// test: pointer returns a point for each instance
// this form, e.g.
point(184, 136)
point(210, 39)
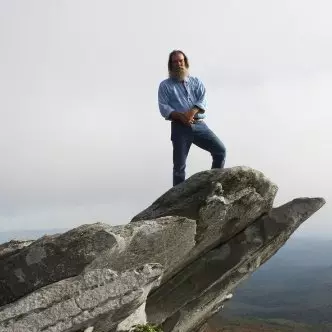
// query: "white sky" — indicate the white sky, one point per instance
point(81, 136)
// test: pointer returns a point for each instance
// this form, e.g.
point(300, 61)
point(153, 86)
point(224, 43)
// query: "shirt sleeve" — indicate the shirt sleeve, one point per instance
point(200, 92)
point(163, 100)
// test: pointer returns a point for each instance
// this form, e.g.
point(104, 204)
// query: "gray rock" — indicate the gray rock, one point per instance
point(53, 258)
point(167, 241)
point(12, 247)
point(137, 317)
point(89, 329)
point(50, 259)
point(199, 290)
point(222, 201)
point(197, 242)
point(80, 302)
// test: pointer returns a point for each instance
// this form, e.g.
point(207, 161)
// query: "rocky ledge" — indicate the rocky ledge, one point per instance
point(174, 264)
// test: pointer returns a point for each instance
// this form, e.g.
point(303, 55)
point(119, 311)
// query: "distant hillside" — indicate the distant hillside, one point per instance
point(219, 324)
point(295, 284)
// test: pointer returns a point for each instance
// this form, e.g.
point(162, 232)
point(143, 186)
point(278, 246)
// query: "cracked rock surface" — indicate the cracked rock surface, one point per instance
point(174, 264)
point(81, 301)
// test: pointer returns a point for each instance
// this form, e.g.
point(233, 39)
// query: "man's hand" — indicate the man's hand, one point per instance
point(187, 117)
point(190, 114)
point(180, 117)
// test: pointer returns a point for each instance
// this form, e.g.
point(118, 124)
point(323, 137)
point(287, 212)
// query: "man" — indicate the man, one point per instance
point(182, 100)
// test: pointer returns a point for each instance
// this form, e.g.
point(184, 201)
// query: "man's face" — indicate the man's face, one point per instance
point(179, 70)
point(178, 61)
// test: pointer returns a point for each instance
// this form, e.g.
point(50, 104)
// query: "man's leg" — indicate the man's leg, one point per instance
point(181, 140)
point(205, 138)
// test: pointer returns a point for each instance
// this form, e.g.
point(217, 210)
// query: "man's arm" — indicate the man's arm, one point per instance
point(165, 109)
point(200, 93)
point(200, 104)
point(163, 100)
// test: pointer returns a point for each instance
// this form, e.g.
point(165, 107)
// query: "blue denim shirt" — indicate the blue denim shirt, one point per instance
point(181, 96)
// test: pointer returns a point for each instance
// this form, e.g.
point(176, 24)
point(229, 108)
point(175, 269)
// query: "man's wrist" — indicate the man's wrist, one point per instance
point(195, 109)
point(174, 115)
point(201, 110)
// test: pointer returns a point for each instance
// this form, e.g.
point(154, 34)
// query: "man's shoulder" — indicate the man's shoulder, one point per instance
point(166, 81)
point(195, 79)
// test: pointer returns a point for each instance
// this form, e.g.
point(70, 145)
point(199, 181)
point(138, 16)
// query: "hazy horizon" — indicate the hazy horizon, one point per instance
point(82, 139)
point(34, 234)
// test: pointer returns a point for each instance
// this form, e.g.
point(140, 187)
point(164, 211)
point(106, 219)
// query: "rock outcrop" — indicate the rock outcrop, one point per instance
point(73, 303)
point(173, 265)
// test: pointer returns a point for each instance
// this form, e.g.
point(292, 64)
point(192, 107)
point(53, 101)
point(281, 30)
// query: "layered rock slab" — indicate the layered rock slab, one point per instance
point(167, 241)
point(51, 259)
point(209, 234)
point(31, 266)
point(12, 247)
point(222, 202)
point(198, 291)
point(76, 303)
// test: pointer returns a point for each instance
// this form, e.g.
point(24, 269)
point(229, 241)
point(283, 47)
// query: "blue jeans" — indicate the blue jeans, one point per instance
point(183, 136)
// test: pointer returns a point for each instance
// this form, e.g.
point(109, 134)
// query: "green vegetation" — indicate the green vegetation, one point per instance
point(146, 328)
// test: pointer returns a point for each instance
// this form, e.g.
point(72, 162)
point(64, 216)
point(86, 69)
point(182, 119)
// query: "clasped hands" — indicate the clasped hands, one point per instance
point(187, 118)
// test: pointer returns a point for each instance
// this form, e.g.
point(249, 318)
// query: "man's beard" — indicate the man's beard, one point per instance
point(179, 73)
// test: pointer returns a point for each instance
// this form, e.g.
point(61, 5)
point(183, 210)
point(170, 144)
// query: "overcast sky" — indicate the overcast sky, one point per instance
point(81, 136)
